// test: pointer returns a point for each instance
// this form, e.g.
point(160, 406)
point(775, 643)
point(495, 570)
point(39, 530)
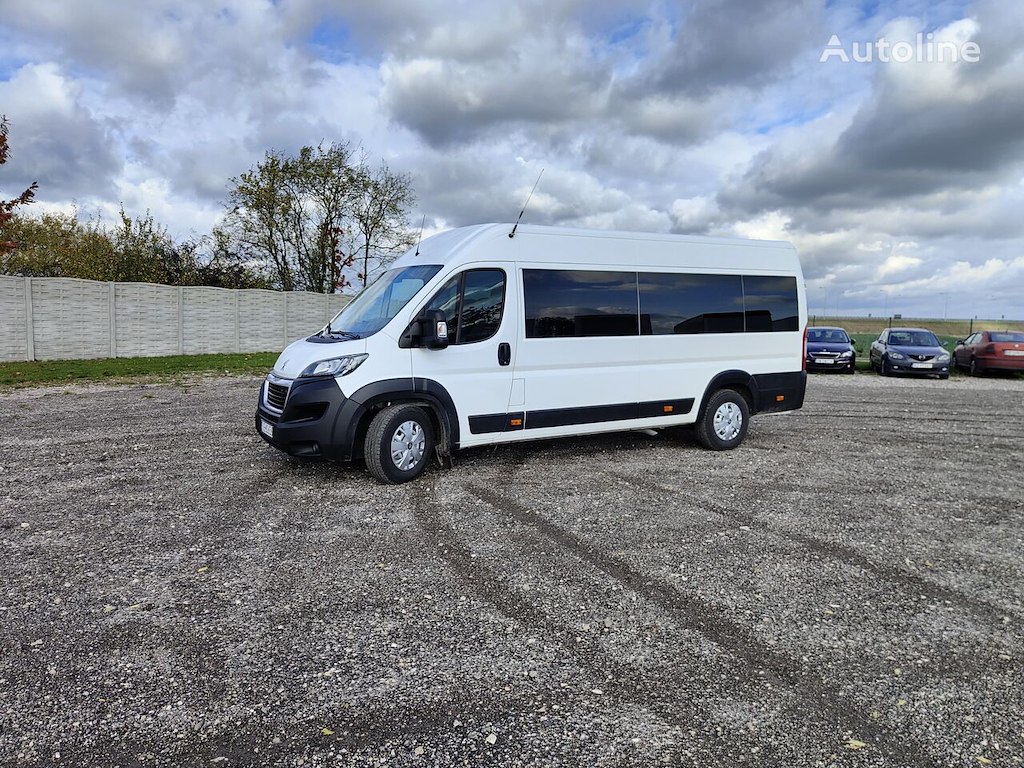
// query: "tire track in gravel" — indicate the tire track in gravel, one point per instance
point(908, 581)
point(816, 698)
point(619, 680)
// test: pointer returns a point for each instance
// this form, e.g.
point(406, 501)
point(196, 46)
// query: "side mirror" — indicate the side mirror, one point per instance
point(435, 329)
point(429, 329)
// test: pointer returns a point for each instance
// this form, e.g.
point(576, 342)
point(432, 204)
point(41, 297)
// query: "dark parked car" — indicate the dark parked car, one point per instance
point(990, 351)
point(909, 350)
point(830, 349)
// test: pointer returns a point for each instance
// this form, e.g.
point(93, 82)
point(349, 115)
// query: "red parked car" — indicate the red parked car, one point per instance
point(990, 351)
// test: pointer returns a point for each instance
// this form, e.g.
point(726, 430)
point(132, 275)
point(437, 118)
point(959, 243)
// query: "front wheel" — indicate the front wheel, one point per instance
point(853, 365)
point(723, 425)
point(399, 443)
point(883, 367)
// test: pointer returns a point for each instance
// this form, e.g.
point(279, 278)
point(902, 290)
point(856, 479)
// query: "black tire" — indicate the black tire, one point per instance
point(853, 366)
point(883, 368)
point(390, 428)
point(973, 368)
point(723, 425)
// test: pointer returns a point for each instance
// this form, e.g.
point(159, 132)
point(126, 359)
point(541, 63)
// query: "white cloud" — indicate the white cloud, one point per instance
point(897, 263)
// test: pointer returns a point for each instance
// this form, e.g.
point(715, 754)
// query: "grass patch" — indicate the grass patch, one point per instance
point(42, 372)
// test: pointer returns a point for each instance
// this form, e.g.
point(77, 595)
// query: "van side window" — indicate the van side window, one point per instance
point(472, 302)
point(588, 303)
point(561, 302)
point(690, 303)
point(770, 303)
point(483, 299)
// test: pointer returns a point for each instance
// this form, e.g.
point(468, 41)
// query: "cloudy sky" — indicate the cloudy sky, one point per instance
point(900, 179)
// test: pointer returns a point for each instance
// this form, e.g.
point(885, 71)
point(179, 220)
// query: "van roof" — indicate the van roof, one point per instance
point(486, 242)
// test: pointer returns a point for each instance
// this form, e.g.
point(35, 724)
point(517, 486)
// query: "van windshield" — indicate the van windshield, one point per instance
point(380, 301)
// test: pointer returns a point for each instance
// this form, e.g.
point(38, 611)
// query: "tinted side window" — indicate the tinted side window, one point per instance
point(472, 302)
point(579, 303)
point(770, 304)
point(690, 303)
point(483, 298)
point(447, 300)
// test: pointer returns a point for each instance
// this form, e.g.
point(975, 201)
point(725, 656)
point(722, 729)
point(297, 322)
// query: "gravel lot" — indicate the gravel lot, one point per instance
point(846, 589)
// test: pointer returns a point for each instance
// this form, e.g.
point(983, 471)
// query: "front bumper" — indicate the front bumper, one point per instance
point(830, 364)
point(914, 367)
point(313, 421)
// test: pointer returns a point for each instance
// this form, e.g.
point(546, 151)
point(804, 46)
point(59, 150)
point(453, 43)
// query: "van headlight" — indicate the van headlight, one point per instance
point(335, 366)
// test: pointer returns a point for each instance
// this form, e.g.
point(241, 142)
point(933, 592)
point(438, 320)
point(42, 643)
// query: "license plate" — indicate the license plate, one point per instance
point(920, 365)
point(1014, 352)
point(266, 428)
point(824, 361)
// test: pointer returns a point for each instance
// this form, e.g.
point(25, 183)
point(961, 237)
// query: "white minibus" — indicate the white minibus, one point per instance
point(497, 334)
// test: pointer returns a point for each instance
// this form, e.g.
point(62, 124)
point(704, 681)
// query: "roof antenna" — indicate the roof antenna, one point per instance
point(514, 226)
point(419, 239)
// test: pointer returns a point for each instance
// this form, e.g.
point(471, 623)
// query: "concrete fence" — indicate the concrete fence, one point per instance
point(50, 318)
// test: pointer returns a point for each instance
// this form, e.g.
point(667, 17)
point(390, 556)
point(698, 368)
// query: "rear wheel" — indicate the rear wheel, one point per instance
point(723, 425)
point(399, 443)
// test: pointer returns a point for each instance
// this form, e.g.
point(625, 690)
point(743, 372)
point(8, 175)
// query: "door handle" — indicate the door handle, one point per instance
point(504, 353)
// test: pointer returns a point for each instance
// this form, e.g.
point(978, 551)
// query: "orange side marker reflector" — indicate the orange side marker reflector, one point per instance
point(516, 422)
point(667, 409)
point(779, 398)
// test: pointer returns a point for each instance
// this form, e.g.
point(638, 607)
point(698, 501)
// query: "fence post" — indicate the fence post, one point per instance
point(181, 320)
point(112, 316)
point(30, 332)
point(286, 336)
point(238, 332)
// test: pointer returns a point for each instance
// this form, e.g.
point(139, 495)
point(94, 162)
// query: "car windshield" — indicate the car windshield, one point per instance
point(827, 335)
point(1007, 337)
point(380, 301)
point(913, 339)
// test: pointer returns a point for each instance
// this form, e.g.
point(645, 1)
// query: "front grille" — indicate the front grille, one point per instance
point(921, 358)
point(276, 395)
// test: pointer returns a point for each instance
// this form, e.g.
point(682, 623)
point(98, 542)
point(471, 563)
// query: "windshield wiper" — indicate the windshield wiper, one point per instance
point(344, 334)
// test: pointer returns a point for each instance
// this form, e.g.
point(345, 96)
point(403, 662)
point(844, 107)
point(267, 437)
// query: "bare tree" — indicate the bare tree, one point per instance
point(260, 210)
point(308, 217)
point(323, 184)
point(380, 226)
